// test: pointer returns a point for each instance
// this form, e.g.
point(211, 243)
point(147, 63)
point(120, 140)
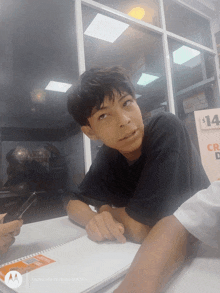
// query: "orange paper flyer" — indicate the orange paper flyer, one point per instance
point(26, 265)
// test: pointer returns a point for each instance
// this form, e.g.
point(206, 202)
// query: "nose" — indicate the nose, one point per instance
point(123, 119)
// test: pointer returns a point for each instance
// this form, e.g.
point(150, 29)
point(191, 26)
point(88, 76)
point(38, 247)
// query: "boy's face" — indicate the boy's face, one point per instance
point(118, 124)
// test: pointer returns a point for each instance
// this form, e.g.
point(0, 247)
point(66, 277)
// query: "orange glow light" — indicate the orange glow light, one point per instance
point(137, 12)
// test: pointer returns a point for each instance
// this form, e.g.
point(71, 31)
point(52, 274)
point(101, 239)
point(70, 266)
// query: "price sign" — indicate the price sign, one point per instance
point(208, 131)
point(210, 121)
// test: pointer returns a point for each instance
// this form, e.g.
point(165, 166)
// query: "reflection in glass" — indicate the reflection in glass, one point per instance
point(193, 76)
point(145, 10)
point(184, 55)
point(140, 53)
point(58, 86)
point(187, 24)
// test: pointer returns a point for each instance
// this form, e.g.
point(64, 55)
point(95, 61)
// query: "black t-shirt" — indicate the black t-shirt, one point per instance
point(168, 172)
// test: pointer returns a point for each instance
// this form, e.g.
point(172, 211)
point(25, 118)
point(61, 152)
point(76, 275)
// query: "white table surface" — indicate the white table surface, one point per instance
point(199, 275)
point(38, 236)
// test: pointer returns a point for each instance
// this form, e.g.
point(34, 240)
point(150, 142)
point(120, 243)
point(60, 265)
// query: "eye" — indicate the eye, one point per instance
point(127, 103)
point(103, 116)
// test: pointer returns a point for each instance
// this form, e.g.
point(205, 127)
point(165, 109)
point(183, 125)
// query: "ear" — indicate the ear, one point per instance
point(88, 131)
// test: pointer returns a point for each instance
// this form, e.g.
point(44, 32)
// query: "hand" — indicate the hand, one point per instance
point(8, 231)
point(104, 227)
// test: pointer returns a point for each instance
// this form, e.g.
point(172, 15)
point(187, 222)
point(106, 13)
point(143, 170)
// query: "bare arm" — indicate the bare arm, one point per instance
point(134, 230)
point(161, 253)
point(79, 212)
point(99, 226)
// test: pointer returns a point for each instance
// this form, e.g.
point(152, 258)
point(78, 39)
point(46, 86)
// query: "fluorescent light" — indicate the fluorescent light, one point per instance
point(58, 86)
point(105, 28)
point(146, 79)
point(184, 54)
point(137, 96)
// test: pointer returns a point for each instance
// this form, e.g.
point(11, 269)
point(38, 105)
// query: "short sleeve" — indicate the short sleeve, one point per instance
point(93, 190)
point(200, 215)
point(172, 173)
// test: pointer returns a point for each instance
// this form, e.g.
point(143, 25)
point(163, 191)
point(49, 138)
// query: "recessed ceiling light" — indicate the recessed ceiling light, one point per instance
point(105, 28)
point(184, 54)
point(58, 86)
point(146, 79)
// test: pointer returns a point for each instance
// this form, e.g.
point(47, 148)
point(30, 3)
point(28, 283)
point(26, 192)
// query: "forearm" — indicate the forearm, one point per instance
point(134, 230)
point(161, 253)
point(79, 212)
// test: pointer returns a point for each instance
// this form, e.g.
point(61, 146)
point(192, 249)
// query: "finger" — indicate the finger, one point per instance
point(21, 222)
point(4, 248)
point(114, 229)
point(16, 232)
point(93, 232)
point(7, 240)
point(2, 218)
point(111, 223)
point(121, 228)
point(103, 228)
point(10, 227)
point(12, 241)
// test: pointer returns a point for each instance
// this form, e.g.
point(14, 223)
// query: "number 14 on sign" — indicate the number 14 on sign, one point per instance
point(210, 121)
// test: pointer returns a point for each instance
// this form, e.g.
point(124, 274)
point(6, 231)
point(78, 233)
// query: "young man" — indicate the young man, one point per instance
point(142, 173)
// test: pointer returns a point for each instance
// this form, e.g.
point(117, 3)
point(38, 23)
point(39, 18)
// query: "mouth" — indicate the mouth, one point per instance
point(129, 135)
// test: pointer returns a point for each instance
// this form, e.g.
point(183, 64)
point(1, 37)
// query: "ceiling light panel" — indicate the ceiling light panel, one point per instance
point(184, 54)
point(146, 79)
point(106, 28)
point(58, 86)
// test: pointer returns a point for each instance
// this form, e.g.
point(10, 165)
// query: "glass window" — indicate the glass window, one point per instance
point(138, 51)
point(187, 24)
point(217, 39)
point(194, 83)
point(38, 45)
point(145, 10)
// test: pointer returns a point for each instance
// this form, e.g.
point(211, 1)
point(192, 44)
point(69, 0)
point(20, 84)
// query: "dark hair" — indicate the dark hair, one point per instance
point(93, 86)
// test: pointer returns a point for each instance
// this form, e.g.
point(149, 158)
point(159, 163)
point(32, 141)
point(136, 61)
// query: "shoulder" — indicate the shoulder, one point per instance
point(164, 130)
point(164, 121)
point(164, 125)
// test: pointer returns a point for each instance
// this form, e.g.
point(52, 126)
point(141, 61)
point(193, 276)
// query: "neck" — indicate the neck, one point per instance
point(132, 156)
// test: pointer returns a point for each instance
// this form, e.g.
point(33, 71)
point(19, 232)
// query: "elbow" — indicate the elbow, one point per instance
point(68, 207)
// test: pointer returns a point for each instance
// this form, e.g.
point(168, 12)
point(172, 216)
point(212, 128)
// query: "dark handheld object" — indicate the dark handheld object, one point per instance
point(26, 205)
